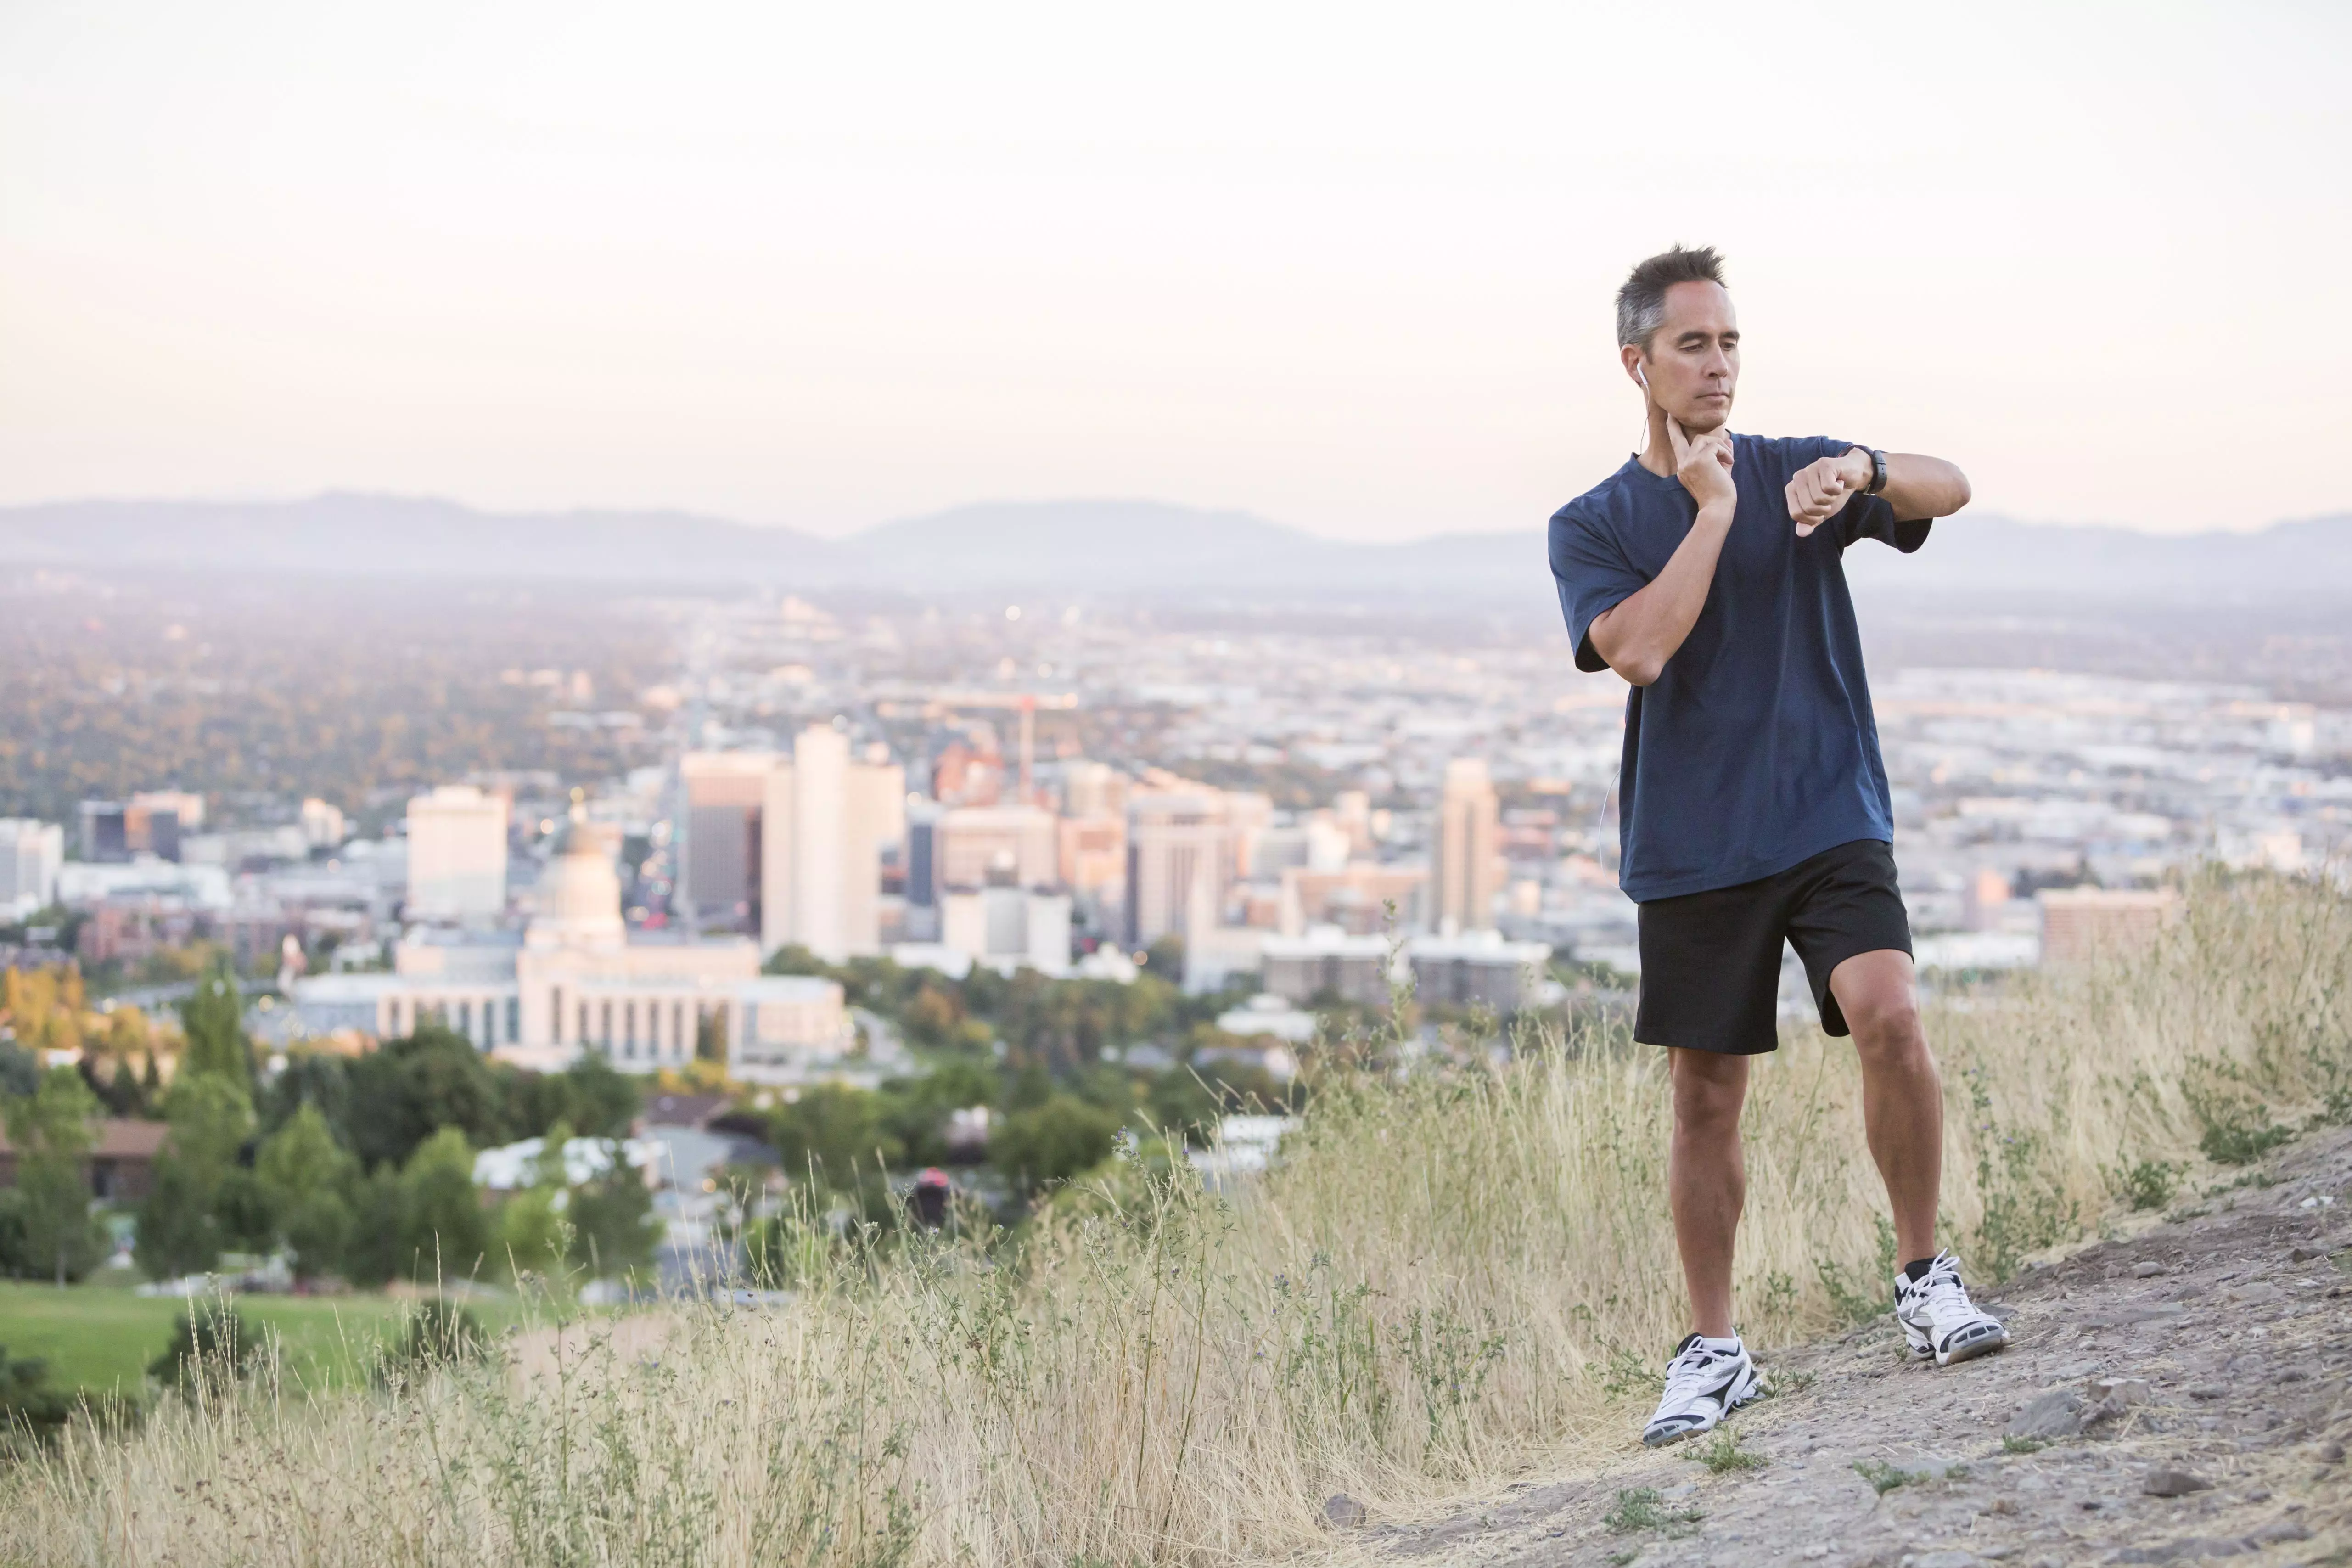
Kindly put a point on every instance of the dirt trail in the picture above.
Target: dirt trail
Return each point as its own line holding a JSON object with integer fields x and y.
{"x": 2218, "y": 1348}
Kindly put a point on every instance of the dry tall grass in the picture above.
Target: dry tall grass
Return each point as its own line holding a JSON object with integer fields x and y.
{"x": 1456, "y": 1275}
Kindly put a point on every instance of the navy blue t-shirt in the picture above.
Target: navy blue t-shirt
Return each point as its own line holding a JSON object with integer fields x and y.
{"x": 1755, "y": 748}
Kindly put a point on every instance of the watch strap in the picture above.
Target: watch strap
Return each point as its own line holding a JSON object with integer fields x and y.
{"x": 1878, "y": 470}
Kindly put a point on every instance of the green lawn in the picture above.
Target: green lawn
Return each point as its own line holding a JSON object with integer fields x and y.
{"x": 96, "y": 1337}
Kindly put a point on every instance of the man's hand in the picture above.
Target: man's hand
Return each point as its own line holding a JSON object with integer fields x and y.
{"x": 1824, "y": 487}
{"x": 1704, "y": 465}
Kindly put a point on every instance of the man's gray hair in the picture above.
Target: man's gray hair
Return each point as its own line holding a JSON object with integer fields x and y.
{"x": 1642, "y": 302}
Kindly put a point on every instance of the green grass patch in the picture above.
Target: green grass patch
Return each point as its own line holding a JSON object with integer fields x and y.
{"x": 101, "y": 1338}
{"x": 1641, "y": 1507}
{"x": 2021, "y": 1444}
{"x": 1722, "y": 1454}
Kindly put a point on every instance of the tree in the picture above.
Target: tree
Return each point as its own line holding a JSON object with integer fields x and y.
{"x": 442, "y": 1232}
{"x": 20, "y": 1069}
{"x": 370, "y": 1253}
{"x": 837, "y": 1130}
{"x": 590, "y": 1095}
{"x": 1053, "y": 1142}
{"x": 315, "y": 1078}
{"x": 213, "y": 1019}
{"x": 210, "y": 1342}
{"x": 57, "y": 1235}
{"x": 530, "y": 1233}
{"x": 180, "y": 1231}
{"x": 411, "y": 1088}
{"x": 307, "y": 1177}
{"x": 613, "y": 1226}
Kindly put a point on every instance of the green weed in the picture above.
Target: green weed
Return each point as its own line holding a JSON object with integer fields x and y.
{"x": 1723, "y": 1454}
{"x": 1641, "y": 1507}
{"x": 2150, "y": 1184}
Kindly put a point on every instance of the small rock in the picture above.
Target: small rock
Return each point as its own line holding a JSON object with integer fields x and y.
{"x": 2057, "y": 1413}
{"x": 2121, "y": 1392}
{"x": 1682, "y": 1491}
{"x": 2148, "y": 1270}
{"x": 1942, "y": 1559}
{"x": 2258, "y": 1494}
{"x": 1342, "y": 1512}
{"x": 2331, "y": 1452}
{"x": 2209, "y": 1391}
{"x": 2304, "y": 1255}
{"x": 2163, "y": 1482}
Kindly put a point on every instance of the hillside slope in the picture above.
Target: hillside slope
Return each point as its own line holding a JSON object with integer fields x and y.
{"x": 2225, "y": 1335}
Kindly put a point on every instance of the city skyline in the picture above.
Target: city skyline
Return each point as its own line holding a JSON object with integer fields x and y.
{"x": 1354, "y": 276}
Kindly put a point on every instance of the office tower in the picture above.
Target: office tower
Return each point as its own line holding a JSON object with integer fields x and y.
{"x": 1462, "y": 871}
{"x": 922, "y": 855}
{"x": 817, "y": 848}
{"x": 456, "y": 854}
{"x": 1092, "y": 789}
{"x": 1248, "y": 817}
{"x": 725, "y": 793}
{"x": 30, "y": 854}
{"x": 1351, "y": 812}
{"x": 186, "y": 808}
{"x": 1008, "y": 928}
{"x": 1012, "y": 846}
{"x": 150, "y": 823}
{"x": 1179, "y": 861}
{"x": 105, "y": 833}
{"x": 823, "y": 821}
{"x": 322, "y": 825}
{"x": 1093, "y": 858}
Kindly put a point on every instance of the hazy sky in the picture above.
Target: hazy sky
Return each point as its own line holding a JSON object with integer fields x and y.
{"x": 1344, "y": 265}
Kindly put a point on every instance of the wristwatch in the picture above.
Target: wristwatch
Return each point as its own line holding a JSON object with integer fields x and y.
{"x": 1877, "y": 471}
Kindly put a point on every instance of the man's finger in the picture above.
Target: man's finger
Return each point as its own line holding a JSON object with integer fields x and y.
{"x": 1680, "y": 442}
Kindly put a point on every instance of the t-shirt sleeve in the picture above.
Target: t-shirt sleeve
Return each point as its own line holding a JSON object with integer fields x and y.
{"x": 1593, "y": 577}
{"x": 1863, "y": 517}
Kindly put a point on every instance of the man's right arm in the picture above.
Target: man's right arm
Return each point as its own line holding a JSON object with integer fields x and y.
{"x": 1642, "y": 631}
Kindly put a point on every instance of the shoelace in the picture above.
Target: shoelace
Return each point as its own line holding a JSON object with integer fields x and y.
{"x": 1694, "y": 1365}
{"x": 1942, "y": 1287}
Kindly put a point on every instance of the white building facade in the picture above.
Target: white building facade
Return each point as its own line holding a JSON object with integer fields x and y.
{"x": 456, "y": 854}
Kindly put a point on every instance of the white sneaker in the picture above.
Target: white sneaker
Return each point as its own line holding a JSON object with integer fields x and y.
{"x": 1939, "y": 1319}
{"x": 1705, "y": 1382}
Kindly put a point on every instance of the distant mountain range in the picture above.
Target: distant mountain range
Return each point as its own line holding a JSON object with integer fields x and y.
{"x": 1102, "y": 546}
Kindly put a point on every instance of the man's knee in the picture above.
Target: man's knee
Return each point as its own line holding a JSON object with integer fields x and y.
{"x": 1709, "y": 1090}
{"x": 1886, "y": 1022}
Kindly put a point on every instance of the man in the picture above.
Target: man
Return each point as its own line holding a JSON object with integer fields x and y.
{"x": 1752, "y": 802}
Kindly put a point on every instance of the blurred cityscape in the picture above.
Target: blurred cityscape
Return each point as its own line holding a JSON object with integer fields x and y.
{"x": 570, "y": 817}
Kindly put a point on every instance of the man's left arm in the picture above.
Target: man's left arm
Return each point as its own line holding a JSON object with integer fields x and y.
{"x": 1918, "y": 488}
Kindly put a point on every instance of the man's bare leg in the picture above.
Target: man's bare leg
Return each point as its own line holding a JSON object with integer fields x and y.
{"x": 1902, "y": 1094}
{"x": 1707, "y": 1178}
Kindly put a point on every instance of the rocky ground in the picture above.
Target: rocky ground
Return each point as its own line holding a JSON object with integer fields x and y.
{"x": 2176, "y": 1396}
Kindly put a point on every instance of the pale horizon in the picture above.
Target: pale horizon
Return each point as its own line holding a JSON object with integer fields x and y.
{"x": 1349, "y": 273}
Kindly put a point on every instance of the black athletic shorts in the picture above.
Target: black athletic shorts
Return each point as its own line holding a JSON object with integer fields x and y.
{"x": 1711, "y": 961}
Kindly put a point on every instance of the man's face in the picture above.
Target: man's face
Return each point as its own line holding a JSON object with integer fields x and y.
{"x": 1693, "y": 363}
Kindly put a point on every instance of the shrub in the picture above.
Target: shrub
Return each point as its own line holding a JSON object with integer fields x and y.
{"x": 437, "y": 1333}
{"x": 212, "y": 1345}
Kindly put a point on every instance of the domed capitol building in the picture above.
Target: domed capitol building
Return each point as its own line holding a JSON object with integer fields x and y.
{"x": 575, "y": 982}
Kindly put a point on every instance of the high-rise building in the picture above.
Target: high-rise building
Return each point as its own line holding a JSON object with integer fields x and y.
{"x": 1092, "y": 789}
{"x": 1179, "y": 863}
{"x": 456, "y": 854}
{"x": 1464, "y": 872}
{"x": 149, "y": 822}
{"x": 789, "y": 847}
{"x": 725, "y": 794}
{"x": 30, "y": 854}
{"x": 1008, "y": 928}
{"x": 322, "y": 825}
{"x": 1009, "y": 846}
